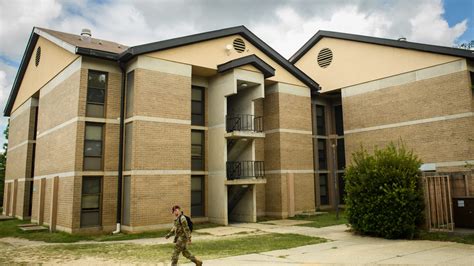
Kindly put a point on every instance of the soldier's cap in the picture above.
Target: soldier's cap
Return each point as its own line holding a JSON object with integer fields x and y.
{"x": 175, "y": 207}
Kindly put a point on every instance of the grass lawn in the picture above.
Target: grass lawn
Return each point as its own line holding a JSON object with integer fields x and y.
{"x": 10, "y": 228}
{"x": 442, "y": 236}
{"x": 157, "y": 253}
{"x": 322, "y": 220}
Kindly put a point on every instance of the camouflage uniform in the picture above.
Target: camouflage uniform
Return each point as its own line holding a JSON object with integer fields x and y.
{"x": 182, "y": 235}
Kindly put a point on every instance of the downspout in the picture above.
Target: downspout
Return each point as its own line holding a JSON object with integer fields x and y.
{"x": 120, "y": 160}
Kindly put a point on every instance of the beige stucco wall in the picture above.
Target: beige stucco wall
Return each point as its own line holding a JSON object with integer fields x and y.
{"x": 52, "y": 61}
{"x": 357, "y": 62}
{"x": 209, "y": 54}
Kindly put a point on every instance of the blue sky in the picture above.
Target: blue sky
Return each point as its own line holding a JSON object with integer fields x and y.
{"x": 456, "y": 11}
{"x": 283, "y": 24}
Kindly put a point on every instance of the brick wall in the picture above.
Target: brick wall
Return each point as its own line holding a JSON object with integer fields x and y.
{"x": 437, "y": 141}
{"x": 160, "y": 146}
{"x": 288, "y": 151}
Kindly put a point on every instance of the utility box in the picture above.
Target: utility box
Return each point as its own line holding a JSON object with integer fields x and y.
{"x": 463, "y": 211}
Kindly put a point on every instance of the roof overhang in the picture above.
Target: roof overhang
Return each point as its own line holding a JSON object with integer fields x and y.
{"x": 21, "y": 72}
{"x": 380, "y": 41}
{"x": 266, "y": 69}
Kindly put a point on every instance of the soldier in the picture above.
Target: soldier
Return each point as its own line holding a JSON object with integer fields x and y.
{"x": 182, "y": 236}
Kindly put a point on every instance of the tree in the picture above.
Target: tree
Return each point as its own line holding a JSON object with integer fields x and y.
{"x": 3, "y": 163}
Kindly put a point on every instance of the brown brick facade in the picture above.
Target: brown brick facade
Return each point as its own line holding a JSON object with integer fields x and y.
{"x": 437, "y": 141}
{"x": 288, "y": 148}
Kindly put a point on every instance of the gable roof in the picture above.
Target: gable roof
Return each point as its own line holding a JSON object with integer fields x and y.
{"x": 117, "y": 52}
{"x": 266, "y": 69}
{"x": 70, "y": 42}
{"x": 206, "y": 36}
{"x": 380, "y": 41}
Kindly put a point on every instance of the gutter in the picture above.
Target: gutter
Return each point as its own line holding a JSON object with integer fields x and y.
{"x": 121, "y": 137}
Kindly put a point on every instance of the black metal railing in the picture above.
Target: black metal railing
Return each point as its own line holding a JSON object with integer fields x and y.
{"x": 245, "y": 169}
{"x": 244, "y": 122}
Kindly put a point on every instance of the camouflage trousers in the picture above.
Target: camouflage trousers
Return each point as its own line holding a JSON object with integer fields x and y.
{"x": 181, "y": 247}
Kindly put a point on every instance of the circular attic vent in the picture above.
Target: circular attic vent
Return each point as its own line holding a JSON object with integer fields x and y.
{"x": 38, "y": 56}
{"x": 325, "y": 57}
{"x": 239, "y": 45}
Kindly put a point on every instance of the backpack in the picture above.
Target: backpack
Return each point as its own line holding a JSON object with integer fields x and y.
{"x": 190, "y": 222}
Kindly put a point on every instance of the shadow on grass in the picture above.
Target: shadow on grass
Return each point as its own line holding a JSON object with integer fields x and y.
{"x": 10, "y": 228}
{"x": 451, "y": 237}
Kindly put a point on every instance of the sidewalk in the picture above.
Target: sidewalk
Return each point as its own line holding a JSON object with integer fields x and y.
{"x": 346, "y": 248}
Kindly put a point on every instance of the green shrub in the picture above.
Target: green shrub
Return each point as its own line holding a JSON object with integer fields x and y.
{"x": 384, "y": 193}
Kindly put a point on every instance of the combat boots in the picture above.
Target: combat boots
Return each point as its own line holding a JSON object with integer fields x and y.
{"x": 197, "y": 262}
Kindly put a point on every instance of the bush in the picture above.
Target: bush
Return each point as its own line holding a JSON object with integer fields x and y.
{"x": 384, "y": 193}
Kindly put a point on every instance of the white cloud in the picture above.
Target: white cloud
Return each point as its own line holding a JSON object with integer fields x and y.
{"x": 430, "y": 27}
{"x": 419, "y": 21}
{"x": 17, "y": 18}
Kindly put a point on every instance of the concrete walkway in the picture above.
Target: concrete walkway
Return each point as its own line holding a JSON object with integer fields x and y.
{"x": 346, "y": 248}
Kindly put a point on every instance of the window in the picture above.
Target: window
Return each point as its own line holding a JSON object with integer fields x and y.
{"x": 97, "y": 82}
{"x": 320, "y": 121}
{"x": 93, "y": 147}
{"x": 126, "y": 199}
{"x": 323, "y": 189}
{"x": 128, "y": 146}
{"x": 322, "y": 155}
{"x": 341, "y": 185}
{"x": 197, "y": 196}
{"x": 197, "y": 106}
{"x": 338, "y": 119}
{"x": 197, "y": 150}
{"x": 129, "y": 100}
{"x": 472, "y": 80}
{"x": 341, "y": 157}
{"x": 90, "y": 202}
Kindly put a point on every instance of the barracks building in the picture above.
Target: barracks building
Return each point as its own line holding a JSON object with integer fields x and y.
{"x": 105, "y": 137}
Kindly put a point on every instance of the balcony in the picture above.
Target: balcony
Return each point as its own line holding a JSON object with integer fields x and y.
{"x": 244, "y": 125}
{"x": 244, "y": 169}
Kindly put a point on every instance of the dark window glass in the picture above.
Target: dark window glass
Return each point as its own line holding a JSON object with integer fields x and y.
{"x": 197, "y": 196}
{"x": 320, "y": 120}
{"x": 128, "y": 145}
{"x": 322, "y": 155}
{"x": 93, "y": 147}
{"x": 197, "y": 150}
{"x": 341, "y": 157}
{"x": 96, "y": 86}
{"x": 126, "y": 199}
{"x": 341, "y": 185}
{"x": 197, "y": 106}
{"x": 323, "y": 189}
{"x": 339, "y": 120}
{"x": 472, "y": 80}
{"x": 95, "y": 95}
{"x": 91, "y": 201}
{"x": 130, "y": 95}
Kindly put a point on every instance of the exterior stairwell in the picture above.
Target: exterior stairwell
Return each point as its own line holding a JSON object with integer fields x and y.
{"x": 235, "y": 193}
{"x": 235, "y": 147}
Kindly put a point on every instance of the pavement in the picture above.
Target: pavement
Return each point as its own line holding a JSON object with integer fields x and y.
{"x": 345, "y": 248}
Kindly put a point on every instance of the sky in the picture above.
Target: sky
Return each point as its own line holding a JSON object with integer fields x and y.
{"x": 284, "y": 25}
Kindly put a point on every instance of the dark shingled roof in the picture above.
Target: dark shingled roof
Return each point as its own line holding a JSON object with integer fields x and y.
{"x": 96, "y": 44}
